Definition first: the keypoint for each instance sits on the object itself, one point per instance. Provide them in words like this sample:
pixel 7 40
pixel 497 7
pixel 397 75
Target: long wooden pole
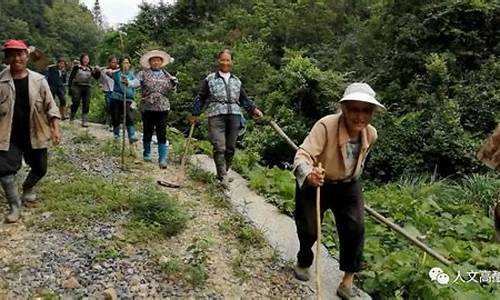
pixel 381 219
pixel 186 147
pixel 124 106
pixel 318 240
pixel 123 125
pixel 378 217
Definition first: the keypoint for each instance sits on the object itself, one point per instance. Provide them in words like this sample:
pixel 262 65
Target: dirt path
pixel 217 254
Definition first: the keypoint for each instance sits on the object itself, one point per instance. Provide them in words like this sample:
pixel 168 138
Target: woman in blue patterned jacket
pixel 156 86
pixel 223 94
pixel 124 86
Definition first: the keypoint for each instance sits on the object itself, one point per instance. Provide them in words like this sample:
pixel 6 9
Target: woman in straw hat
pixel 340 142
pixel 156 86
pixel 223 94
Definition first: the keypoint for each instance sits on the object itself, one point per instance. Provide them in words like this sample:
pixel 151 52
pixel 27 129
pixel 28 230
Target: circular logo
pixel 434 272
pixel 443 278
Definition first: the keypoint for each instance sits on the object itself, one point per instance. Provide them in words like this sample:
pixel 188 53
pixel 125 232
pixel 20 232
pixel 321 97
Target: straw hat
pixel 166 59
pixel 361 92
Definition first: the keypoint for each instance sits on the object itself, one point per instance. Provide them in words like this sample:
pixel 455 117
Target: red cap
pixel 14 44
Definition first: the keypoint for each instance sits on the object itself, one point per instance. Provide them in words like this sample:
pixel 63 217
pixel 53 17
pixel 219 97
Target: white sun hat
pixel 166 59
pixel 361 92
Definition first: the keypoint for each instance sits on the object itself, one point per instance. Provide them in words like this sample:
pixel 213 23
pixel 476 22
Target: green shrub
pixel 156 209
pixel 277 184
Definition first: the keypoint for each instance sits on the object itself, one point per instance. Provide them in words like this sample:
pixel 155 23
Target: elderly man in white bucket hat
pixel 156 86
pixel 340 142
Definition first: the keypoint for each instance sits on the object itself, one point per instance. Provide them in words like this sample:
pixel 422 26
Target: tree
pixel 433 63
pixel 97 13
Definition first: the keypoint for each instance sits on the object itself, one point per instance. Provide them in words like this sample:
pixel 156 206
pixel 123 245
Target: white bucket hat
pixel 166 59
pixel 361 92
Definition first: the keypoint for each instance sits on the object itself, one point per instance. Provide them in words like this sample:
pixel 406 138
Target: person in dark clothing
pixel 56 76
pixel 80 87
pixel 29 120
pixel 223 94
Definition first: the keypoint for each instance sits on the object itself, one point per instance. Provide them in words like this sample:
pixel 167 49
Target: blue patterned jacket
pixel 221 98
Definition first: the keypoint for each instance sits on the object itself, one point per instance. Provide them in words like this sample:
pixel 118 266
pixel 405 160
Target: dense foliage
pixel 449 216
pixel 59 28
pixel 433 64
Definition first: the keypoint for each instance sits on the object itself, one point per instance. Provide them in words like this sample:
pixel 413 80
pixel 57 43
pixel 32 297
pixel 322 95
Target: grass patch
pixel 172 268
pixel 194 269
pixel 212 188
pixel 138 232
pixel 157 212
pixel 81 199
pixel 86 197
pixel 45 294
pixel 245 161
pixel 196 274
pixel 249 238
pixel 277 185
pixel 247 235
pixel 238 263
pixel 60 168
pixel 83 137
pixel 107 253
pixel 112 147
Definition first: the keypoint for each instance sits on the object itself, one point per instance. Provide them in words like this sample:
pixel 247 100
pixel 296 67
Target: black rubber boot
pixel 220 164
pixel 229 160
pixel 28 193
pixel 9 186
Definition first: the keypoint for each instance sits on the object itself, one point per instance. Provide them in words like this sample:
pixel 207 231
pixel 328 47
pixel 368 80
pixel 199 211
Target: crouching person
pixel 29 120
pixel 340 142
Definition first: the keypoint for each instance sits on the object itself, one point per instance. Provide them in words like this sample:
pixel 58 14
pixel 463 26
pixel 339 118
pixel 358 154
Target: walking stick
pixel 123 125
pixel 186 147
pixel 381 219
pixel 120 33
pixel 177 184
pixel 318 241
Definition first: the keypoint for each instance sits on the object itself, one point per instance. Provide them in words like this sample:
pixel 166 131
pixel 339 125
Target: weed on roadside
pixel 245 232
pixel 157 211
pixel 193 269
pixel 83 137
pixel 212 187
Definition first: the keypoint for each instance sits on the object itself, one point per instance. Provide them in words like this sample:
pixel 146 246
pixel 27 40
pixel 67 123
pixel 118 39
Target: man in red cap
pixel 29 120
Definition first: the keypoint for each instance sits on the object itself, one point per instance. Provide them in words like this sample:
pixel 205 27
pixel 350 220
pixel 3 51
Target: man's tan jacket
pixel 327 143
pixel 42 109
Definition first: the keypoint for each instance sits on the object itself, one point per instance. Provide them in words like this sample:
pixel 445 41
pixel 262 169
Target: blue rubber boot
pixel 131 134
pixel 162 155
pixel 147 152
